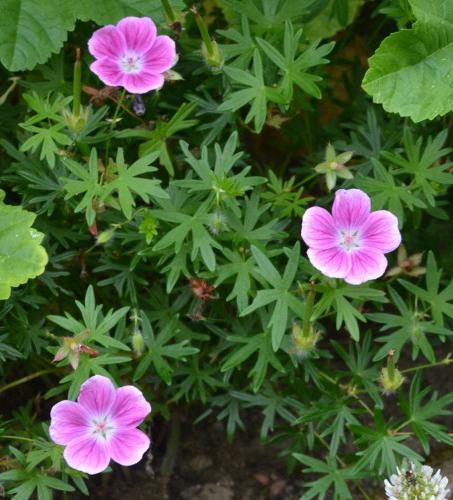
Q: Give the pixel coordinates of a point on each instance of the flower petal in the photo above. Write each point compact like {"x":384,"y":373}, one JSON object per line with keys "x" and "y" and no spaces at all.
{"x":140,"y":83}
{"x":139,"y":33}
{"x":97,"y":395}
{"x":366,"y":264}
{"x":108,"y":71}
{"x":87,"y":454}
{"x":318,"y":230}
{"x":130,"y":407}
{"x":381,"y":231}
{"x":128,"y":446}
{"x":68,"y":420}
{"x":106,"y":42}
{"x":350,"y":208}
{"x":332,"y":262}
{"x":161,"y":56}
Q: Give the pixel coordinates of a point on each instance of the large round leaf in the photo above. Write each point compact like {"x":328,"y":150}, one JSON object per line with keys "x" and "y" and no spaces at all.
{"x":21,"y":255}
{"x":31,"y":30}
{"x":411,"y":73}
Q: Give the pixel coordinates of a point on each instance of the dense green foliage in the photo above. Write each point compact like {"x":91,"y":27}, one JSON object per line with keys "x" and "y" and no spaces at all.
{"x":172,"y":238}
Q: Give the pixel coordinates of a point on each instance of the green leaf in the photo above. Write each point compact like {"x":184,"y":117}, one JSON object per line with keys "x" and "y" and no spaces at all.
{"x":440,"y":301}
{"x":30,"y":31}
{"x":128,"y":182}
{"x":22,"y":256}
{"x":294,"y":67}
{"x":411,"y":72}
{"x":255,"y":93}
{"x":330,"y":20}
{"x":420,"y":413}
{"x":335,"y":298}
{"x":156,"y":139}
{"x":280,"y":293}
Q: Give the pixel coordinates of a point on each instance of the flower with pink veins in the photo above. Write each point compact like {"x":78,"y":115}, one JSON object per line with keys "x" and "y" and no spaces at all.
{"x":131,"y":55}
{"x":351,"y":243}
{"x":101,"y":426}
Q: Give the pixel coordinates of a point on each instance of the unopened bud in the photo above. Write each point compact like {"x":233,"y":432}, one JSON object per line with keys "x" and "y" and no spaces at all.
{"x":105,"y":236}
{"x":217,"y":222}
{"x":304,"y":343}
{"x":138,"y":343}
{"x":391,"y":378}
{"x":76,"y":123}
{"x":213,"y":56}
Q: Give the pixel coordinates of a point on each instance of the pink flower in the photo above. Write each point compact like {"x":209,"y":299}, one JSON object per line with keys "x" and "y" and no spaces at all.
{"x":131,"y":55}
{"x":101,"y":426}
{"x":350,"y":243}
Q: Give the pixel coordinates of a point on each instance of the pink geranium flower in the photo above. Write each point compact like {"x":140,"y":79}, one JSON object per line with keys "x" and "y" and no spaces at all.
{"x":101,"y":426}
{"x":131,"y":55}
{"x":350,"y":243}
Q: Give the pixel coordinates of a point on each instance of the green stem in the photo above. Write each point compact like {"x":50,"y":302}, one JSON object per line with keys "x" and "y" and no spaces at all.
{"x":26,"y":379}
{"x":168,"y":463}
{"x":445,"y":361}
{"x":308,"y":311}
{"x":77,"y":85}
{"x":169,"y":11}
{"x":391,"y":365}
{"x":16,"y":438}
{"x":203,"y":31}
{"x":112,"y":124}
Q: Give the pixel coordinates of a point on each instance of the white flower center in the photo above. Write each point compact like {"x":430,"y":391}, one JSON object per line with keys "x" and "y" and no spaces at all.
{"x":130,"y":63}
{"x":102,"y":427}
{"x":349,"y":239}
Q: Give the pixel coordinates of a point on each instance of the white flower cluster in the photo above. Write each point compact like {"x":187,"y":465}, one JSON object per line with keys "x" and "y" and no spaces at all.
{"x":417,"y":483}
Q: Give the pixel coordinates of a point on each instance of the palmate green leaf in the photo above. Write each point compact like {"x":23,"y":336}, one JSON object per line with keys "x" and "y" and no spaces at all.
{"x":439,"y":301}
{"x":409,"y":327}
{"x":388,"y":193}
{"x":128,"y":182}
{"x":247,"y":345}
{"x":194,"y":225}
{"x":422,"y":162}
{"x":293,"y":66}
{"x":30,"y":31}
{"x":240,"y":52}
{"x":280,"y":293}
{"x":161,"y":348}
{"x":156,"y":139}
{"x":332,"y":477}
{"x":384,"y":448}
{"x":339,"y":298}
{"x":87,"y":182}
{"x":269,"y":15}
{"x":255,"y":93}
{"x":243,"y":269}
{"x":22,"y":256}
{"x":421,"y":408}
{"x":48,"y":139}
{"x":411,"y":73}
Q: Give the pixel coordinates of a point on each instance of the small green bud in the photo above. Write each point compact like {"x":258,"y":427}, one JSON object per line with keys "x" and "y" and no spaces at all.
{"x":217,"y":222}
{"x":148,"y":227}
{"x":391,"y":378}
{"x":138,"y":343}
{"x":105,"y":236}
{"x":76,"y":123}
{"x":213,"y":57}
{"x":304,"y":343}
